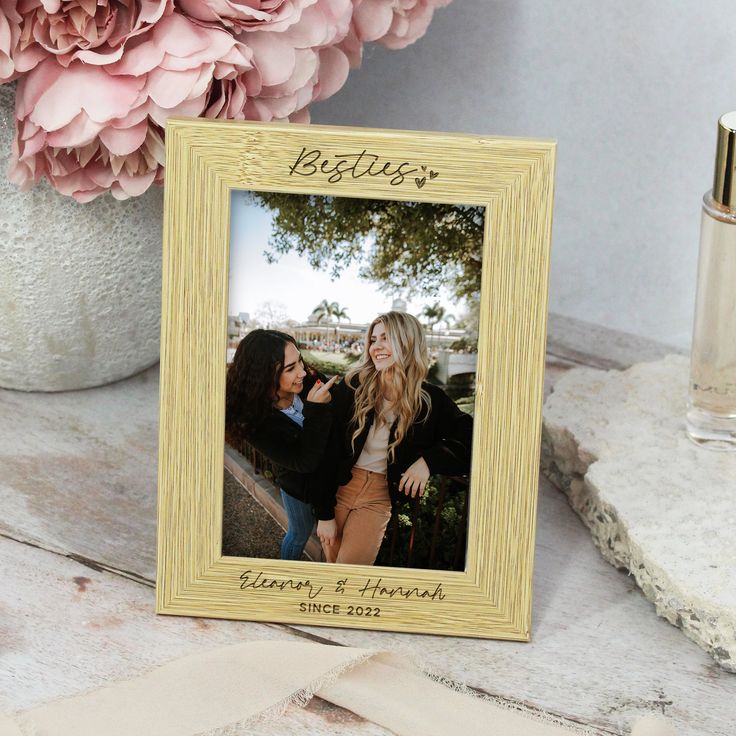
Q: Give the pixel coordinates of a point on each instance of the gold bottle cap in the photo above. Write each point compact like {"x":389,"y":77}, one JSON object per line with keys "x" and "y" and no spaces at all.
{"x":724,"y":181}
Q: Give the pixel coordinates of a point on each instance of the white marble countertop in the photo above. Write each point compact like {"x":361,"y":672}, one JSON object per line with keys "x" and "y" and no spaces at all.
{"x":77,"y":551}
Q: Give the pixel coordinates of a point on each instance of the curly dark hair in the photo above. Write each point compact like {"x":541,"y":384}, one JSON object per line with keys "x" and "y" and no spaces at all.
{"x":252,"y":381}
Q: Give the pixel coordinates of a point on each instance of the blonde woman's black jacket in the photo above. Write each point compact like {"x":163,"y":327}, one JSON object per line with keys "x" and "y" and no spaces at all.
{"x":444,"y":440}
{"x":297,"y":453}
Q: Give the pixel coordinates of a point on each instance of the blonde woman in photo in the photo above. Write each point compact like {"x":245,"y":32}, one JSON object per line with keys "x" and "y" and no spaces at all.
{"x":391,"y":431}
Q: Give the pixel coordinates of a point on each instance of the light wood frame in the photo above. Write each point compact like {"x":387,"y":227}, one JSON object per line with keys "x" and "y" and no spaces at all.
{"x":513,"y":180}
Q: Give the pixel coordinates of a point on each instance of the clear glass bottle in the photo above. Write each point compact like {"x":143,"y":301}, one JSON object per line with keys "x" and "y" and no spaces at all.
{"x":711,"y":413}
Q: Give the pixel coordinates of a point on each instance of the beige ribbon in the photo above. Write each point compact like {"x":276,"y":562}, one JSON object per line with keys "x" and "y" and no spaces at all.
{"x":238,"y":685}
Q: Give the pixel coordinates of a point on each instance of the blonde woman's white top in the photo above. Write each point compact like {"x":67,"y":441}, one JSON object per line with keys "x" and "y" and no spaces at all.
{"x":375,"y":450}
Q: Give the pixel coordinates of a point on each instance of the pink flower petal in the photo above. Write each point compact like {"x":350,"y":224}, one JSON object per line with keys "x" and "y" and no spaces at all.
{"x":410,"y":22}
{"x":173,"y":36}
{"x":182,"y":37}
{"x":247,"y":15}
{"x":100,"y":58}
{"x":89,"y":6}
{"x":88,"y":196}
{"x":188,"y":109}
{"x":30,"y":58}
{"x":203,"y":83}
{"x":236,"y":61}
{"x":25,"y":130}
{"x":169,"y":89}
{"x":327,"y":22}
{"x":219,"y":45}
{"x":300,"y":116}
{"x":34,"y":144}
{"x":281,"y":107}
{"x":23,"y":175}
{"x":89,"y":88}
{"x":132,"y":118}
{"x":352,"y":47}
{"x":152,"y":11}
{"x":100,"y":174}
{"x":51,"y":6}
{"x":75,"y":184}
{"x":274,"y":58}
{"x":257,"y":110}
{"x":79,"y":132}
{"x":31,"y":87}
{"x":199,"y":10}
{"x":155,"y":145}
{"x":133,"y":186}
{"x":333,"y":72}
{"x":372,"y":19}
{"x":304,"y":97}
{"x":122,"y":141}
{"x":7,"y":69}
{"x":253,"y":82}
{"x":307,"y":62}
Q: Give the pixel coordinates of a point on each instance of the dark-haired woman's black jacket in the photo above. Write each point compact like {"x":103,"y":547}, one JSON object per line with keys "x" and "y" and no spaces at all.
{"x":297,"y":453}
{"x":444,"y":440}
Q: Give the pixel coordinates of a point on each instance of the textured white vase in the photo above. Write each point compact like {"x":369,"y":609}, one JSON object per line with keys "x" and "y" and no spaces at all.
{"x":80,"y":284}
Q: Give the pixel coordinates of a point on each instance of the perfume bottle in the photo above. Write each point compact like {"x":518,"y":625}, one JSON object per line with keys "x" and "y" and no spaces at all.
{"x":711,"y":413}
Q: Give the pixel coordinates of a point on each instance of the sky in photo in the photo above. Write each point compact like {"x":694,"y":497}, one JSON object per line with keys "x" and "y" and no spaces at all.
{"x":293,"y":285}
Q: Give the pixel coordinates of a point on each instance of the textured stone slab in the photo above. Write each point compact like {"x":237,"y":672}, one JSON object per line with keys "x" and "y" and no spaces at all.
{"x":655,"y":503}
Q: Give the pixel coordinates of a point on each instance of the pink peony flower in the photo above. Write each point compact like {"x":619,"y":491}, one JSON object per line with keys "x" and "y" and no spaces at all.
{"x":247,"y":15}
{"x":9,"y":34}
{"x":91,"y":128}
{"x":316,"y":76}
{"x":93,"y":31}
{"x":394,"y":23}
{"x":99,"y":78}
{"x":294,"y":68}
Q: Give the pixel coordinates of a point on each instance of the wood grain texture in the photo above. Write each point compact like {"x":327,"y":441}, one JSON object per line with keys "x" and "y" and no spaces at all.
{"x":110,"y":633}
{"x":78,"y":469}
{"x":512,"y":179}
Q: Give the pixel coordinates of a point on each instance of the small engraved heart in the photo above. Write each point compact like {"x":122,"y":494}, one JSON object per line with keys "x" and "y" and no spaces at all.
{"x":420,"y":182}
{"x":424,"y":168}
{"x":433,"y":174}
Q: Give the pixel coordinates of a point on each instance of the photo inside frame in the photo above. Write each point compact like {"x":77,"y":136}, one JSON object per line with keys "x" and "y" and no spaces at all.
{"x":321,"y":270}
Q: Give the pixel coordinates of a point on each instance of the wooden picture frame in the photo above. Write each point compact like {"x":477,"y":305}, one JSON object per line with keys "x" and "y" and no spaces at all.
{"x":512,"y":179}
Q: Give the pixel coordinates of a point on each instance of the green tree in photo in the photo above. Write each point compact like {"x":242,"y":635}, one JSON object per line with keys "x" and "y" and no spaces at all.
{"x":412,"y":247}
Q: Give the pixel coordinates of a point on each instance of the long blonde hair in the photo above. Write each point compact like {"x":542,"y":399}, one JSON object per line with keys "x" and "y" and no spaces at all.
{"x":410,"y":367}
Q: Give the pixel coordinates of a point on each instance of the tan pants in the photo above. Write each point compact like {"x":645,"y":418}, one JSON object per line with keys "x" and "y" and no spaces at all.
{"x":362,"y":512}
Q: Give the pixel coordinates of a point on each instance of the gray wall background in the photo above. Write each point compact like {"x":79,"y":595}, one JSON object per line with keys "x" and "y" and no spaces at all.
{"x":630,"y":90}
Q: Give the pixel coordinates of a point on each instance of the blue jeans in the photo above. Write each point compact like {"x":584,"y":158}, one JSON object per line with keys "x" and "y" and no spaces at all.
{"x":300,"y":524}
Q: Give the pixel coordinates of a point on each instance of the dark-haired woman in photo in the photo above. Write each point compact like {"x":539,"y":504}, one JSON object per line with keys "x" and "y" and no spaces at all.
{"x":391,"y":431}
{"x":282,"y":408}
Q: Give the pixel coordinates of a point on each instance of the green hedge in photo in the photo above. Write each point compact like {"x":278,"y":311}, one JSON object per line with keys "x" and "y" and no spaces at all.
{"x":329,"y":363}
{"x":449,"y":545}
